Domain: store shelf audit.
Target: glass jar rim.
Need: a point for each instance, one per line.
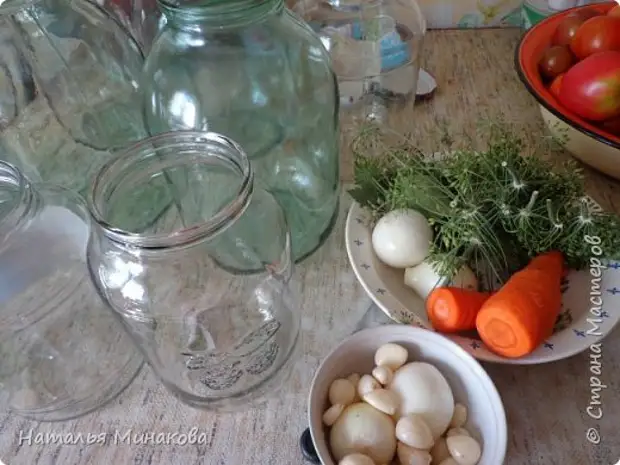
(110, 175)
(223, 12)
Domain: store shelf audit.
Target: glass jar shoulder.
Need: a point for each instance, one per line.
(283, 43)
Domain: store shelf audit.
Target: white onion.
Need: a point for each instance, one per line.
(402, 238)
(423, 390)
(365, 430)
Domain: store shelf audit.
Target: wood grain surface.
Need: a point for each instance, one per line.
(546, 405)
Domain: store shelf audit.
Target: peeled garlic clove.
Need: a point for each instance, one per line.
(464, 449)
(459, 418)
(356, 459)
(383, 374)
(413, 431)
(331, 414)
(457, 432)
(440, 451)
(342, 392)
(354, 378)
(391, 355)
(383, 400)
(449, 461)
(412, 456)
(367, 384)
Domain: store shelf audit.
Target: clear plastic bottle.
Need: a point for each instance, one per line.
(62, 352)
(375, 47)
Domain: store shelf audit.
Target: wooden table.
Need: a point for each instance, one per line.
(546, 405)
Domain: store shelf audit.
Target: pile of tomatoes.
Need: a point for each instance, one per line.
(581, 67)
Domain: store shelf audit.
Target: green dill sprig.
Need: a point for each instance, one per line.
(493, 209)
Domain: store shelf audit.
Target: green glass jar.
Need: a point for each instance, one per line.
(253, 71)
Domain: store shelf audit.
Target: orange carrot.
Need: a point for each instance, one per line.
(515, 320)
(452, 309)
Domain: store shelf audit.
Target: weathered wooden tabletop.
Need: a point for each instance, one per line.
(546, 405)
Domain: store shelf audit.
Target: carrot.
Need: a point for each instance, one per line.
(452, 309)
(515, 320)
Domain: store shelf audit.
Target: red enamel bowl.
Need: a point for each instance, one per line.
(586, 142)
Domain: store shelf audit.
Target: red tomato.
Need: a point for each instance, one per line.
(556, 85)
(615, 11)
(598, 34)
(591, 88)
(567, 29)
(556, 60)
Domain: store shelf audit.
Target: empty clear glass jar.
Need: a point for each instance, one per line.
(251, 70)
(205, 291)
(69, 74)
(62, 352)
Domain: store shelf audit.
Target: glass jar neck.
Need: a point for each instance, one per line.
(219, 14)
(209, 169)
(18, 200)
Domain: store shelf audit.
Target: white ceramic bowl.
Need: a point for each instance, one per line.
(469, 382)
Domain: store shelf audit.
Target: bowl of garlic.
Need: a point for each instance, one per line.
(400, 395)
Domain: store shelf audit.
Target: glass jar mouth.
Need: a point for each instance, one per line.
(158, 154)
(221, 14)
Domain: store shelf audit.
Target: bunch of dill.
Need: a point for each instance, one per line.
(493, 209)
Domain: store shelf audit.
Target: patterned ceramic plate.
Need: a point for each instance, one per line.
(581, 322)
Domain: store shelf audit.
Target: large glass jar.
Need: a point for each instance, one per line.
(206, 291)
(62, 352)
(69, 89)
(251, 70)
